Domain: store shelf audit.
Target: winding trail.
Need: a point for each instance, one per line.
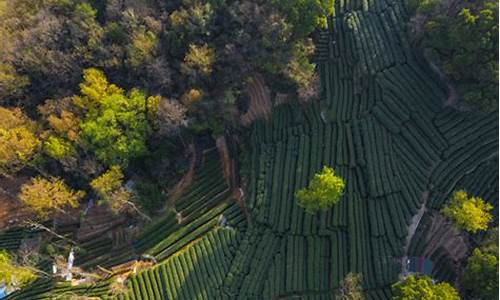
(452, 99)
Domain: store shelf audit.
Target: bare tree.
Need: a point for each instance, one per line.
(171, 117)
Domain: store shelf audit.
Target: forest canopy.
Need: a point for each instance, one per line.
(461, 38)
(305, 140)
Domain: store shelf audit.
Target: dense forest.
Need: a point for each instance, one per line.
(253, 149)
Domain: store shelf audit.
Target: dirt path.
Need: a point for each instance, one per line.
(452, 96)
(186, 180)
(231, 172)
(441, 233)
(11, 210)
(226, 163)
(415, 221)
(452, 92)
(260, 100)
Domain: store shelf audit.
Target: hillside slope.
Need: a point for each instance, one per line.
(383, 125)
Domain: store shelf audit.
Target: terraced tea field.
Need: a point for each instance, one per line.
(382, 124)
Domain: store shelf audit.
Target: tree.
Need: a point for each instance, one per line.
(18, 140)
(324, 190)
(171, 116)
(115, 125)
(193, 22)
(198, 60)
(12, 274)
(11, 83)
(47, 42)
(58, 148)
(257, 38)
(423, 288)
(111, 192)
(480, 278)
(106, 185)
(143, 47)
(470, 214)
(481, 275)
(350, 288)
(192, 97)
(461, 37)
(62, 140)
(306, 15)
(62, 118)
(302, 71)
(46, 196)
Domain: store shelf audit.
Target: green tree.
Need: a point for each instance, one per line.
(199, 59)
(115, 125)
(422, 288)
(193, 22)
(48, 42)
(12, 274)
(61, 137)
(18, 140)
(470, 214)
(142, 48)
(44, 197)
(11, 83)
(350, 288)
(108, 182)
(306, 15)
(462, 39)
(301, 71)
(109, 187)
(58, 148)
(480, 278)
(324, 190)
(62, 117)
(481, 275)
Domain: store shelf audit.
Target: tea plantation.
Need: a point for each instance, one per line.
(381, 123)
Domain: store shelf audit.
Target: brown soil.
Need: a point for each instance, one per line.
(230, 171)
(443, 234)
(11, 212)
(99, 221)
(186, 180)
(226, 162)
(260, 100)
(239, 197)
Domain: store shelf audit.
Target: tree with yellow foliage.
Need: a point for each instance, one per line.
(111, 192)
(199, 59)
(12, 274)
(115, 124)
(192, 97)
(44, 197)
(142, 47)
(18, 140)
(350, 288)
(471, 214)
(324, 190)
(423, 288)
